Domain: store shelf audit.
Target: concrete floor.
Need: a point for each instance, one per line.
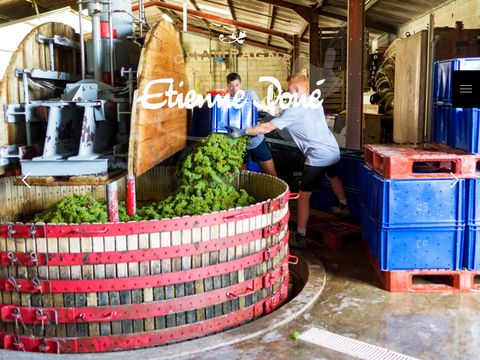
(425, 326)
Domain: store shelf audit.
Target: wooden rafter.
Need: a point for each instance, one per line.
(232, 9)
(271, 20)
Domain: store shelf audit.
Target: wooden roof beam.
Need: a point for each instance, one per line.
(232, 9)
(271, 20)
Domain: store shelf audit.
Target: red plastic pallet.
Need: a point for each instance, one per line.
(333, 229)
(438, 280)
(397, 162)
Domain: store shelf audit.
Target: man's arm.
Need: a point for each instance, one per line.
(261, 129)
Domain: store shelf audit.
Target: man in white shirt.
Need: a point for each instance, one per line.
(310, 132)
(257, 147)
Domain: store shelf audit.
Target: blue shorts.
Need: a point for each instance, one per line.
(260, 153)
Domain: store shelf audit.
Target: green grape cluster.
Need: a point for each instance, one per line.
(205, 179)
(78, 209)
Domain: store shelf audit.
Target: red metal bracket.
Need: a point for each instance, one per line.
(29, 315)
(138, 282)
(117, 257)
(40, 230)
(145, 339)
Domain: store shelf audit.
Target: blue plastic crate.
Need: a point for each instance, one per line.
(366, 175)
(254, 166)
(348, 169)
(206, 120)
(325, 199)
(437, 247)
(473, 202)
(442, 79)
(465, 129)
(425, 202)
(370, 233)
(472, 248)
(242, 118)
(442, 123)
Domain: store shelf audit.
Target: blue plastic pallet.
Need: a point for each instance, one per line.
(425, 202)
(442, 79)
(438, 247)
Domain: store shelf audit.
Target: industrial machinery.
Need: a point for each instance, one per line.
(83, 128)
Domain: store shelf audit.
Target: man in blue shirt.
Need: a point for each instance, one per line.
(257, 148)
(309, 130)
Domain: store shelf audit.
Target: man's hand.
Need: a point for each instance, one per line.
(236, 132)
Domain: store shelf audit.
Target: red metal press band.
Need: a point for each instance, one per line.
(118, 257)
(45, 316)
(139, 282)
(143, 227)
(147, 338)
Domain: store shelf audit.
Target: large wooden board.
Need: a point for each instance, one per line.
(410, 82)
(31, 54)
(157, 134)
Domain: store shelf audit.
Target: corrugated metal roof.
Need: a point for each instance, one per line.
(381, 14)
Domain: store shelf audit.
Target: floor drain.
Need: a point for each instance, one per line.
(350, 347)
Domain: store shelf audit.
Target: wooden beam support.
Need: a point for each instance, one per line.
(296, 53)
(369, 4)
(271, 19)
(195, 5)
(314, 51)
(355, 53)
(232, 9)
(241, 24)
(303, 11)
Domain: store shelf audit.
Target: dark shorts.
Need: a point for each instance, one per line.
(312, 176)
(260, 153)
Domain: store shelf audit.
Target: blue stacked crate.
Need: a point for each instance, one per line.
(459, 128)
(215, 119)
(472, 238)
(414, 223)
(456, 127)
(348, 170)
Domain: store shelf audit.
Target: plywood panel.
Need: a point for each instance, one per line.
(410, 82)
(157, 134)
(31, 54)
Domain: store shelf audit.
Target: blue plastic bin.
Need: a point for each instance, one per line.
(254, 166)
(423, 202)
(366, 175)
(242, 118)
(409, 248)
(465, 125)
(348, 169)
(325, 199)
(206, 120)
(442, 80)
(473, 202)
(472, 248)
(442, 123)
